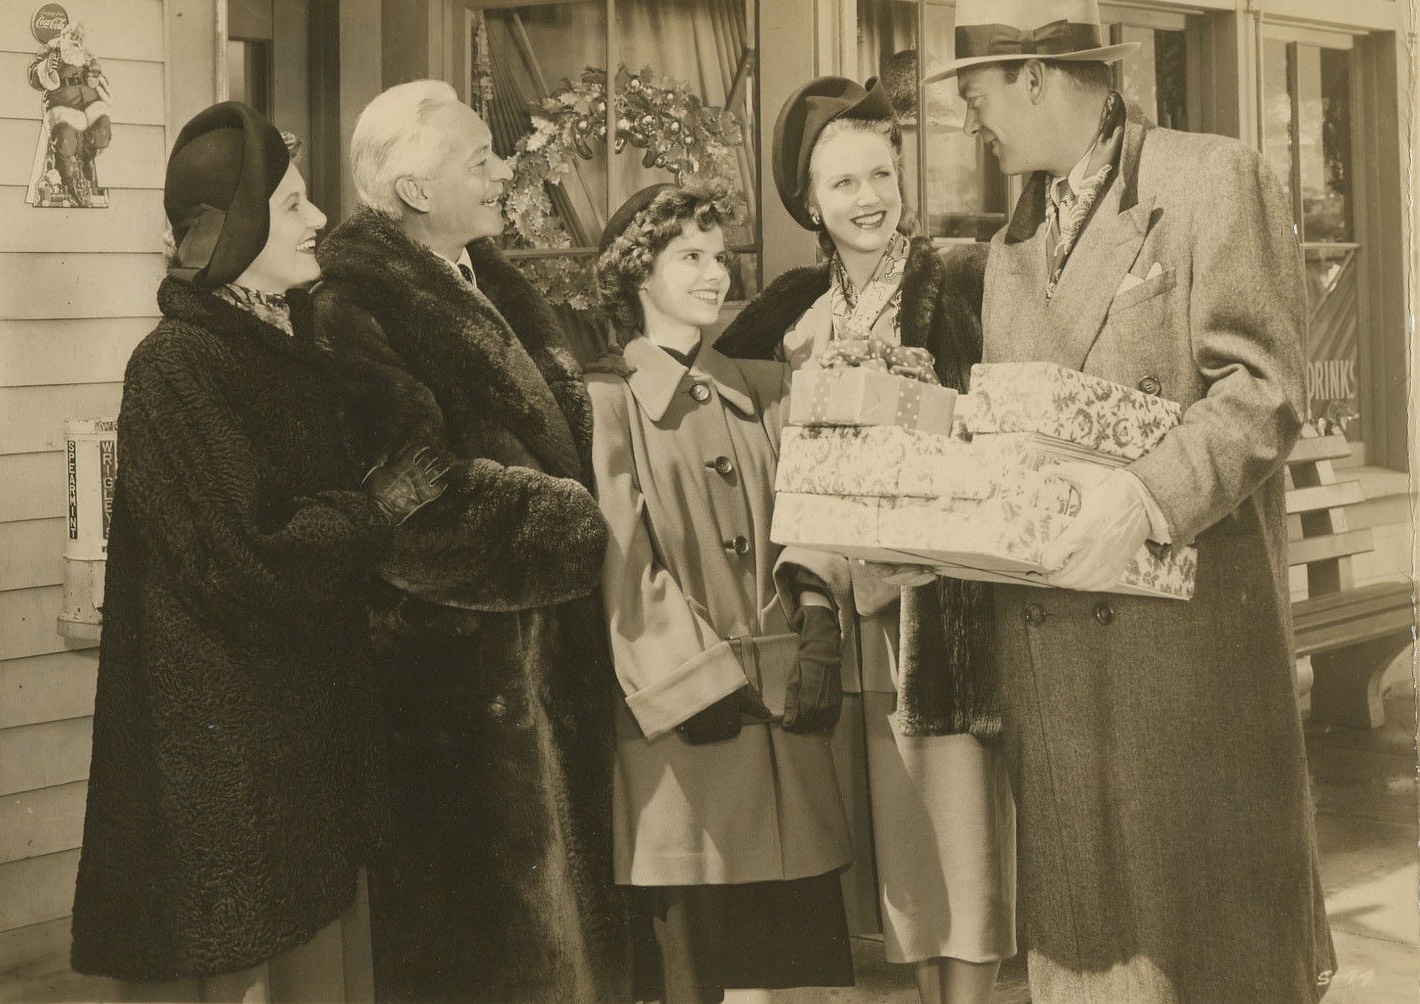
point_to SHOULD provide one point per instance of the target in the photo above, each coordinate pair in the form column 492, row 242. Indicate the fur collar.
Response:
column 498, row 345
column 941, row 308
column 179, row 300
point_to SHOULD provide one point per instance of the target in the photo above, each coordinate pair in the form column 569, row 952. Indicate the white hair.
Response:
column 393, row 140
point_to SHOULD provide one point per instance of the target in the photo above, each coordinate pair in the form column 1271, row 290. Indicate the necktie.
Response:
column 466, row 272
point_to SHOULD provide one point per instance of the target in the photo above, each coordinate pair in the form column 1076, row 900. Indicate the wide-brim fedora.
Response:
column 1000, row 31
column 804, row 116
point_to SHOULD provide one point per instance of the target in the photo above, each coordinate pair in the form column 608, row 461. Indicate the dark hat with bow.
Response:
column 999, row 31
column 225, row 165
column 803, row 117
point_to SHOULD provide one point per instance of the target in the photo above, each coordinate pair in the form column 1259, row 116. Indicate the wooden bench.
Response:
column 1350, row 635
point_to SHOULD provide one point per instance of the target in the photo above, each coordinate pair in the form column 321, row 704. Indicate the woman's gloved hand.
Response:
column 814, row 696
column 402, row 486
column 722, row 720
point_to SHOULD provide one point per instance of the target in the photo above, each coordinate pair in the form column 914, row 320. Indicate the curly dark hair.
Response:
column 623, row 267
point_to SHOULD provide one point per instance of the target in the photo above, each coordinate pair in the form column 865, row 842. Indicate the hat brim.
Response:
column 1104, row 54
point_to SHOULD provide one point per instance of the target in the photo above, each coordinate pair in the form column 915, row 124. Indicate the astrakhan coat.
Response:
column 498, row 883
column 1168, row 852
column 235, row 783
column 685, row 460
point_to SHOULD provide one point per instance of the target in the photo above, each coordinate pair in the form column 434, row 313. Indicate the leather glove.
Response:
column 402, row 486
column 1105, row 535
column 814, row 696
column 723, row 719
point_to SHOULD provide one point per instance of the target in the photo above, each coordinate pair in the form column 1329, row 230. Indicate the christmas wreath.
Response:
column 677, row 130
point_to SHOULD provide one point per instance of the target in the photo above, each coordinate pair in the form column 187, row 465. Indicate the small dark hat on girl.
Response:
column 621, row 219
column 225, row 165
column 803, row 117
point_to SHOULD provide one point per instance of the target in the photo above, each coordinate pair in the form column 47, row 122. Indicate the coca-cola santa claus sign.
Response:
column 74, row 110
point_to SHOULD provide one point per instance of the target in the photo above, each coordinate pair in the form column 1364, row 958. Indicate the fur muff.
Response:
column 947, row 680
column 497, row 885
column 237, row 773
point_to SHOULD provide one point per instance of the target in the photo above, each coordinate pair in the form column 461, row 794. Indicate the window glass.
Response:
column 1277, row 111
column 1154, row 77
column 685, row 98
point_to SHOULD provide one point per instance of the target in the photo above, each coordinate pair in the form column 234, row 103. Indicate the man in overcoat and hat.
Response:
column 1167, row 846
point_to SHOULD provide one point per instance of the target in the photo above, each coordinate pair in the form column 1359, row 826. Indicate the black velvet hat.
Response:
column 803, row 117
column 224, row 166
column 621, row 219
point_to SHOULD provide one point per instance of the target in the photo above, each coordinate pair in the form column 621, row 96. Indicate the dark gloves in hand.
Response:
column 722, row 719
column 402, row 486
column 814, row 695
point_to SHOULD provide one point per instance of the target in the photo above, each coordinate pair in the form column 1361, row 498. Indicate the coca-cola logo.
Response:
column 48, row 22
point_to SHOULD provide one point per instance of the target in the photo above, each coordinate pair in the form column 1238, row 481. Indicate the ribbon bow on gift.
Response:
column 875, row 354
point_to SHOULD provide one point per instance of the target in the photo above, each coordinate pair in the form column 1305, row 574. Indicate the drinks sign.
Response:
column 48, row 22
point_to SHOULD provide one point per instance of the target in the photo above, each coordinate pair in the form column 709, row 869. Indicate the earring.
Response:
column 818, row 220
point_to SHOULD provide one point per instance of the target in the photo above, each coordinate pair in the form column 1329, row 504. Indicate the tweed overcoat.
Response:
column 236, row 773
column 1168, row 851
column 497, row 885
column 685, row 460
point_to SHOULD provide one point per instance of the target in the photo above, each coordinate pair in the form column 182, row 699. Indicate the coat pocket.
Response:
column 1146, row 290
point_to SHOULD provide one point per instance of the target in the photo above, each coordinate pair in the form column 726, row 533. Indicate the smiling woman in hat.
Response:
column 729, row 826
column 941, row 837
column 234, row 777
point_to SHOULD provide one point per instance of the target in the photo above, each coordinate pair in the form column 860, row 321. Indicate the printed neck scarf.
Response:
column 269, row 307
column 1070, row 206
column 854, row 310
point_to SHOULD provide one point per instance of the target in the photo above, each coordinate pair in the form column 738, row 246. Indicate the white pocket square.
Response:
column 1131, row 280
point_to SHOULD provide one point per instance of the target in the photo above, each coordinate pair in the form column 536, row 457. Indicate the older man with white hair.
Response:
column 497, row 881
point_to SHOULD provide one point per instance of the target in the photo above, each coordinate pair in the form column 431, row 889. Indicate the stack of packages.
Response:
column 878, row 464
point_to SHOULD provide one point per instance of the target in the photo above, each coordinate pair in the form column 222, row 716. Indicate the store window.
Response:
column 954, row 184
column 673, row 84
column 1307, row 143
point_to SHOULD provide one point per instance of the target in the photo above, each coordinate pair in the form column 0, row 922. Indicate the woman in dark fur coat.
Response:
column 497, row 886
column 236, row 777
column 942, row 817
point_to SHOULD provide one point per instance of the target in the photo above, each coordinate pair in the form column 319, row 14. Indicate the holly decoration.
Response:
column 664, row 118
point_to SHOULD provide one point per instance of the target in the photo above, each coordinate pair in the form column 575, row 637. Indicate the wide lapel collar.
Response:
column 728, row 380
column 655, row 376
column 1015, row 282
column 1107, row 247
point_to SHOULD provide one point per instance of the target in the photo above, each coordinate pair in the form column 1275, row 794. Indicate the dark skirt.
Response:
column 693, row 942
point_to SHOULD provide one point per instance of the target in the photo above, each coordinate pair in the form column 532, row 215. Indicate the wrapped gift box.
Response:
column 1064, row 404
column 1170, row 575
column 862, row 395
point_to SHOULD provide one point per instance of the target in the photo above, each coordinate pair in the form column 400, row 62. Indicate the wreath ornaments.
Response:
column 677, row 130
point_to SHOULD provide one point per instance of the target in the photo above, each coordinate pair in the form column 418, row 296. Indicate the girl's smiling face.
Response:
column 688, row 282
column 855, row 190
column 289, row 257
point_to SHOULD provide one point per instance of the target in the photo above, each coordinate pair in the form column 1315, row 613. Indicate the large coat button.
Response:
column 1151, row 385
column 721, row 465
column 700, row 392
column 498, row 709
column 740, row 544
column 1035, row 615
column 1104, row 613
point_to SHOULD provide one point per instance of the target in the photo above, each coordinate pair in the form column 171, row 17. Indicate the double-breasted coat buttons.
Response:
column 700, row 392
column 1104, row 613
column 1034, row 614
column 1151, row 385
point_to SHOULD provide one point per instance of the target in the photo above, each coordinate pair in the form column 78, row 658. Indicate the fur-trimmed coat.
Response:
column 949, row 623
column 498, row 883
column 236, row 775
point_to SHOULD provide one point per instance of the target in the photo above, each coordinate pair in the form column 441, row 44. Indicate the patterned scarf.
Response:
column 1070, row 209
column 269, row 307
column 854, row 310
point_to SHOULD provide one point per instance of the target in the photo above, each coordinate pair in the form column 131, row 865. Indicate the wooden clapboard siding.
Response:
column 35, row 890
column 135, row 158
column 47, row 688
column 136, row 216
column 32, row 418
column 41, row 756
column 137, row 89
column 41, row 943
column 69, row 285
column 34, row 488
column 117, row 29
column 83, row 351
column 30, row 554
column 30, row 617
column 43, row 821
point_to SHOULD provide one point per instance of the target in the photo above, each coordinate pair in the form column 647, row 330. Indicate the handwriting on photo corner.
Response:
column 1347, row 977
